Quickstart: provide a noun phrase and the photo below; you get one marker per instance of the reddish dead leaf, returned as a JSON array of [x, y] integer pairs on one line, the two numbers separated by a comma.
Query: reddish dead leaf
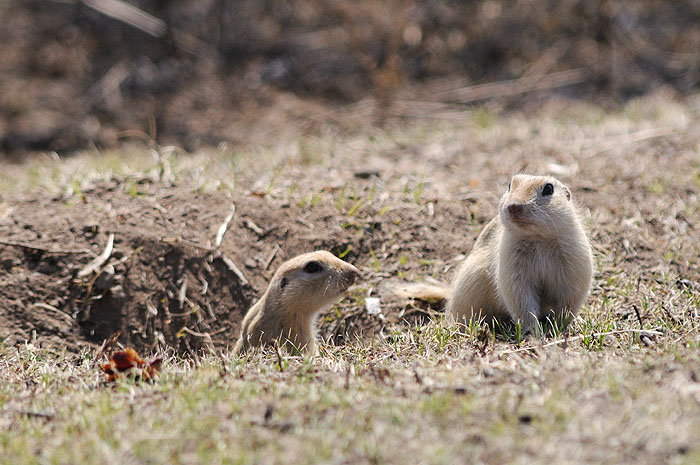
[[125, 359], [128, 363]]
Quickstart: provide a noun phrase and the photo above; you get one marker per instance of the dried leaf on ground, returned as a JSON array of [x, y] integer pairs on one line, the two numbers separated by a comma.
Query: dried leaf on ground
[[128, 363]]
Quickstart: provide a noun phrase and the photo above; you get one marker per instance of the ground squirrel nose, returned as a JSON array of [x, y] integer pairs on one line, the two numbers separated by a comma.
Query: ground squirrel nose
[[352, 274], [515, 210]]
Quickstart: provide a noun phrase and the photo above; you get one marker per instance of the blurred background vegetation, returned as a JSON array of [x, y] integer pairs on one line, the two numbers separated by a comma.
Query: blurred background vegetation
[[93, 73]]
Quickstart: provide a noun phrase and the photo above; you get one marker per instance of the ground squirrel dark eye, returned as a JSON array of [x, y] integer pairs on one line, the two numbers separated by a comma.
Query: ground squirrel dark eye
[[548, 189], [313, 267], [509, 185], [283, 283]]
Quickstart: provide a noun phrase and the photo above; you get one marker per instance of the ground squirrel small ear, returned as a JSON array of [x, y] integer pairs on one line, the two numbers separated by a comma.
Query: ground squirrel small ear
[[568, 193], [283, 283]]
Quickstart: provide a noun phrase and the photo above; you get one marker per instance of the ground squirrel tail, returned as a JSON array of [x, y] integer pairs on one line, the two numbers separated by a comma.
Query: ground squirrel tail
[[431, 290]]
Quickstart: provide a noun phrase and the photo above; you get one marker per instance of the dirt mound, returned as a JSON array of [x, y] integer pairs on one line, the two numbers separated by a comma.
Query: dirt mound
[[163, 282]]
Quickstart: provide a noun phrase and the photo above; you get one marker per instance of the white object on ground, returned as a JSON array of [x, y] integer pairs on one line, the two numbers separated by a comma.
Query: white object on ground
[[372, 305]]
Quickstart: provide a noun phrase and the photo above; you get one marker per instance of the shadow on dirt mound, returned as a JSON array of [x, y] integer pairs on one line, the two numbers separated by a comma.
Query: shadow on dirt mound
[[154, 287], [175, 295]]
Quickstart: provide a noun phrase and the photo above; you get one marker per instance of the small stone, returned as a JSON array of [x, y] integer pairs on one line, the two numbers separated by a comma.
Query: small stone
[[366, 174], [91, 229]]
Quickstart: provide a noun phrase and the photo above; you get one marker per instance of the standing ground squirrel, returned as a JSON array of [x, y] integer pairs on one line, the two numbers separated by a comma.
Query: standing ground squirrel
[[300, 289], [532, 262]]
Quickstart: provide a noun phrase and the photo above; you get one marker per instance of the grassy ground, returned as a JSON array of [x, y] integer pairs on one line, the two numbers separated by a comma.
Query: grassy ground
[[428, 396], [621, 386]]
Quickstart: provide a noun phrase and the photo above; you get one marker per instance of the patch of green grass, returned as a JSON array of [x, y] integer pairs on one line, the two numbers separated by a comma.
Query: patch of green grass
[[375, 262], [484, 118], [347, 250], [356, 207], [310, 200]]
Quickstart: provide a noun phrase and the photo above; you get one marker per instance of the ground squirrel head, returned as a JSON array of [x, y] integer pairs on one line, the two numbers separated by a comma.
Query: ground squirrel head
[[539, 205], [310, 282]]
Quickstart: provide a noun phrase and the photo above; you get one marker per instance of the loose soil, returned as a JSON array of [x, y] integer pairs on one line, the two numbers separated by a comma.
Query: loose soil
[[165, 281], [401, 206]]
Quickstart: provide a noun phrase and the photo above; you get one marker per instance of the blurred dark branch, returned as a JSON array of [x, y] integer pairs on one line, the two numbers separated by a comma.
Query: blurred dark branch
[[515, 86], [450, 102], [108, 85], [139, 19], [385, 71], [130, 15], [546, 61], [670, 65]]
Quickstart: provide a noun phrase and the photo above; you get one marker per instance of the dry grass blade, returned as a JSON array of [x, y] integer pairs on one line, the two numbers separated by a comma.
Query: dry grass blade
[[99, 261], [616, 142], [156, 27], [224, 226], [107, 344], [206, 336], [280, 359]]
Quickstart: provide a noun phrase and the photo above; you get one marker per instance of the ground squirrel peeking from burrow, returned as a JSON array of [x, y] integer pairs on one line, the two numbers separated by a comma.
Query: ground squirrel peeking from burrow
[[531, 263], [300, 289]]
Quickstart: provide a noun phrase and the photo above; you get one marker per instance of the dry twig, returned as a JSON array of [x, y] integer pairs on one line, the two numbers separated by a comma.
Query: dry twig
[[234, 269], [98, 261], [53, 309], [224, 226], [42, 249], [180, 240], [271, 257]]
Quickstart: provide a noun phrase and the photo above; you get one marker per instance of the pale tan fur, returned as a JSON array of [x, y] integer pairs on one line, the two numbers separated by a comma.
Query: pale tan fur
[[531, 262], [288, 309]]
